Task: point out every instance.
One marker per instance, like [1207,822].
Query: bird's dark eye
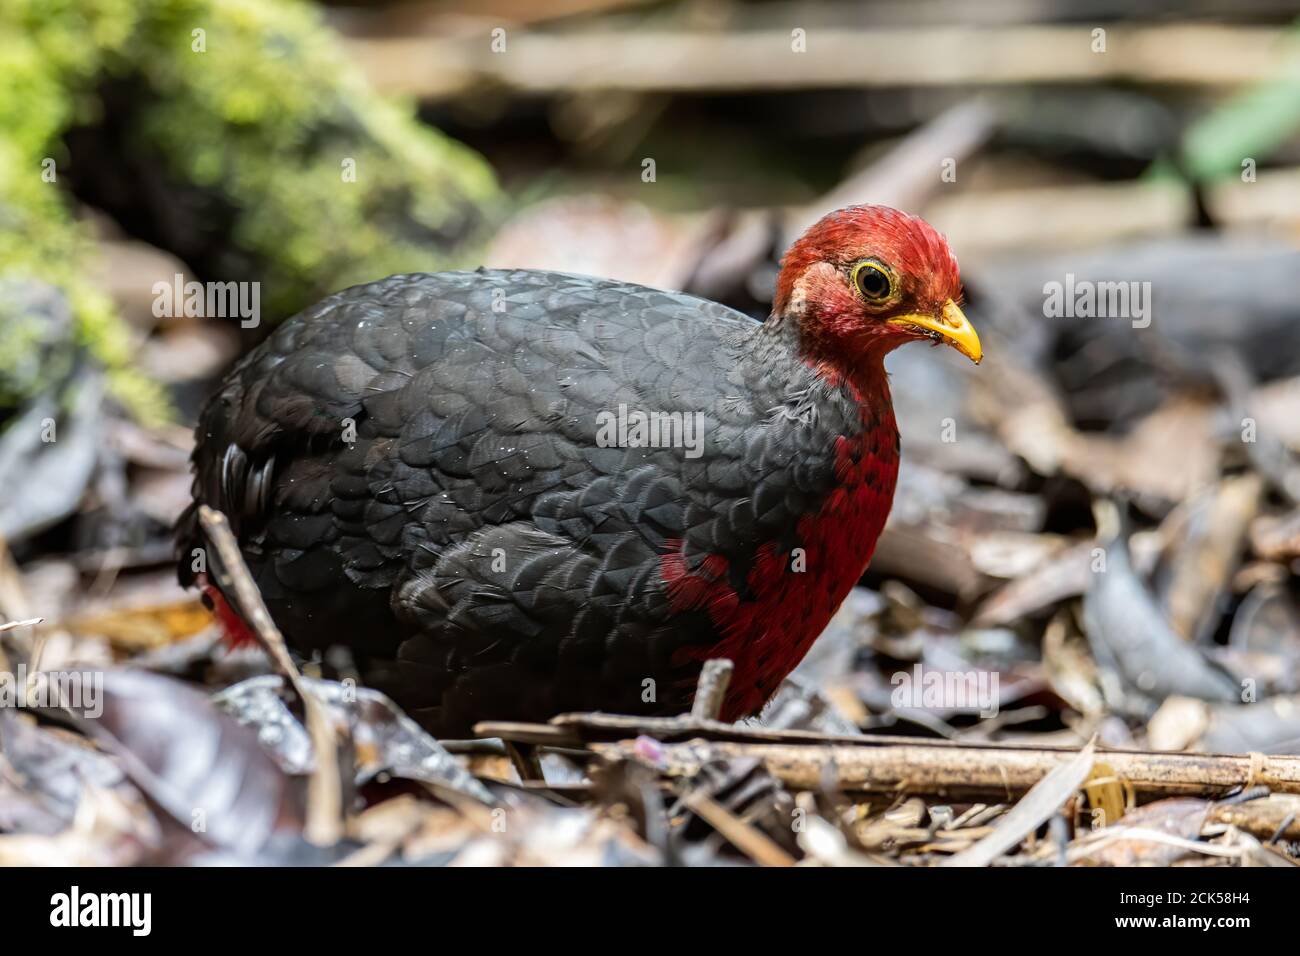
[873,281]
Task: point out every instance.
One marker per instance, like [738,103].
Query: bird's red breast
[797,594]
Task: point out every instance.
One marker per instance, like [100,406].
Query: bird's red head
[866,279]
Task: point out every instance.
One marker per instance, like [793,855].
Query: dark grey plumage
[474,544]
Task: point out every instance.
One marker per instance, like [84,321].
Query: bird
[511,494]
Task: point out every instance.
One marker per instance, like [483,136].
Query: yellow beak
[950,326]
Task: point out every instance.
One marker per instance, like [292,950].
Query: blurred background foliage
[216,131]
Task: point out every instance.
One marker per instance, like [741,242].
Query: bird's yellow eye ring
[873,281]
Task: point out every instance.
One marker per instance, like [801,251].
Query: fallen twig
[324,824]
[698,60]
[1275,817]
[711,690]
[755,844]
[10,625]
[957,770]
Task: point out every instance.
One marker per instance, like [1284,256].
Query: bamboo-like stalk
[693,60]
[1002,773]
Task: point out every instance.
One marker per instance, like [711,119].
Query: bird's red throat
[797,593]
[234,632]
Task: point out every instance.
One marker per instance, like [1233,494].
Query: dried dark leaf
[44,480]
[384,739]
[1130,637]
[49,770]
[199,765]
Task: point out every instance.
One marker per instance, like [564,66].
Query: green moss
[267,116]
[39,241]
[261,122]
[25,348]
[49,52]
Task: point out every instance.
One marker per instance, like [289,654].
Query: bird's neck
[860,365]
[841,418]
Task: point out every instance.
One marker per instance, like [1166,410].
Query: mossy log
[232,133]
[41,246]
[236,135]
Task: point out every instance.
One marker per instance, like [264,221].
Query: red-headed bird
[513,494]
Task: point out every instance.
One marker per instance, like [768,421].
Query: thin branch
[969,772]
[711,691]
[324,825]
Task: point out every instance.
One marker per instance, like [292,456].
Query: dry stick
[584,727]
[10,625]
[1170,773]
[1273,818]
[518,732]
[526,762]
[974,772]
[577,728]
[711,690]
[904,176]
[684,60]
[324,825]
[572,732]
[754,843]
